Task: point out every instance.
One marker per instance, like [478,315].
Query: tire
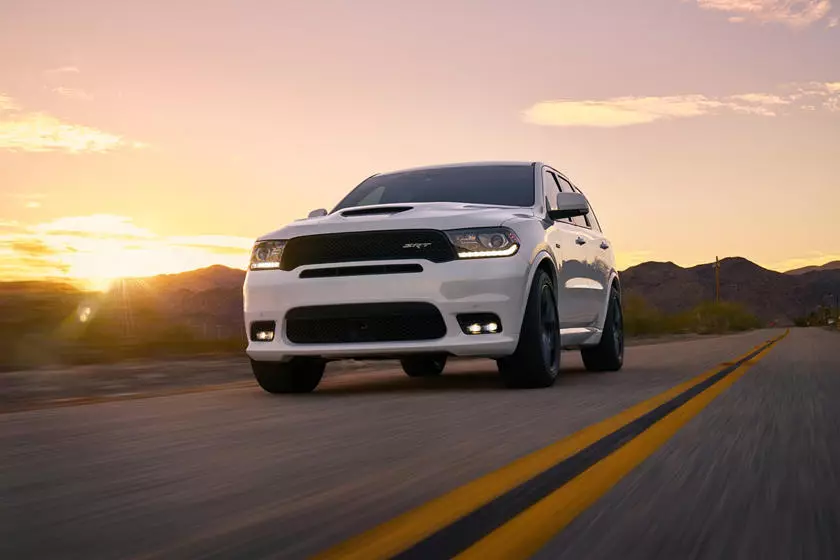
[423,366]
[298,375]
[608,355]
[536,361]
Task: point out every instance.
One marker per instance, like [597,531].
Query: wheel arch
[543,260]
[614,282]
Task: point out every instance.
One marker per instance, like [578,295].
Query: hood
[425,215]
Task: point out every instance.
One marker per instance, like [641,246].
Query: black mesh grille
[367,246]
[375,322]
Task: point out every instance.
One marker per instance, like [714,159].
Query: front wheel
[536,361]
[298,375]
[608,355]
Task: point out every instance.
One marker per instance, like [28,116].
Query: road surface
[724,447]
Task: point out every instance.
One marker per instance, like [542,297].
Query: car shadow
[484,378]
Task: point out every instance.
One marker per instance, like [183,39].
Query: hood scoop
[375,211]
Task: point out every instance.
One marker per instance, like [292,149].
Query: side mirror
[317,213]
[569,205]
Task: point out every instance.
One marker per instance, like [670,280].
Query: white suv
[497,260]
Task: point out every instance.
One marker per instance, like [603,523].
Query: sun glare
[84,314]
[114,260]
[96,251]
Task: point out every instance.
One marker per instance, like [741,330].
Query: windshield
[501,185]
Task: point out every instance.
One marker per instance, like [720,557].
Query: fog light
[262,331]
[265,335]
[480,323]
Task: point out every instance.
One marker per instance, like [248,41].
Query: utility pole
[717,280]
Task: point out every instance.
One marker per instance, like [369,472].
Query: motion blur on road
[353,469]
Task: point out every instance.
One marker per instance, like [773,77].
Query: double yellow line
[516,510]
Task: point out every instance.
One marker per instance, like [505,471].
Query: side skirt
[573,338]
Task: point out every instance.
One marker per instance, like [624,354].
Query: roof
[462,164]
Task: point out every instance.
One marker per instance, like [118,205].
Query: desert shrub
[716,318]
[641,319]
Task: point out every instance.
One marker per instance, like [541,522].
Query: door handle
[580,241]
[604,245]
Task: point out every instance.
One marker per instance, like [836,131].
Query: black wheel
[536,361]
[608,355]
[298,375]
[423,366]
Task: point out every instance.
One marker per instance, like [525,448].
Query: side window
[550,189]
[566,186]
[552,185]
[591,218]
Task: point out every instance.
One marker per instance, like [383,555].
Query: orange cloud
[793,13]
[619,111]
[627,111]
[40,132]
[61,70]
[72,93]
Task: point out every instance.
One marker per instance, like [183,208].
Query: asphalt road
[752,471]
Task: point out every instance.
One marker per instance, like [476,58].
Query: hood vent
[375,210]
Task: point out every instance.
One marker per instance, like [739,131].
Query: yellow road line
[400,533]
[528,532]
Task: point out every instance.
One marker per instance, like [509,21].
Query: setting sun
[95,250]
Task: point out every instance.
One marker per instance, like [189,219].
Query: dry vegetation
[48,324]
[707,318]
[45,324]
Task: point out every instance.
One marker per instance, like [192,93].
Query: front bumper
[496,285]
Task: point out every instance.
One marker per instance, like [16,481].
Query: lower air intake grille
[369,270]
[369,322]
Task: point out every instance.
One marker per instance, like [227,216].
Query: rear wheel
[423,366]
[536,361]
[298,375]
[608,355]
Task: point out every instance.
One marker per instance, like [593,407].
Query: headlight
[484,242]
[266,255]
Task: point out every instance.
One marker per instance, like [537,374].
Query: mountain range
[208,302]
[215,294]
[833,265]
[770,295]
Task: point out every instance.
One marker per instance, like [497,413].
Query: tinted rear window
[503,185]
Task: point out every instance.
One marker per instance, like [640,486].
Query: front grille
[366,322]
[367,246]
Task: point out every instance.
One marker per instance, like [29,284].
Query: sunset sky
[141,137]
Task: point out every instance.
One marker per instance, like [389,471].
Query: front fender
[540,254]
